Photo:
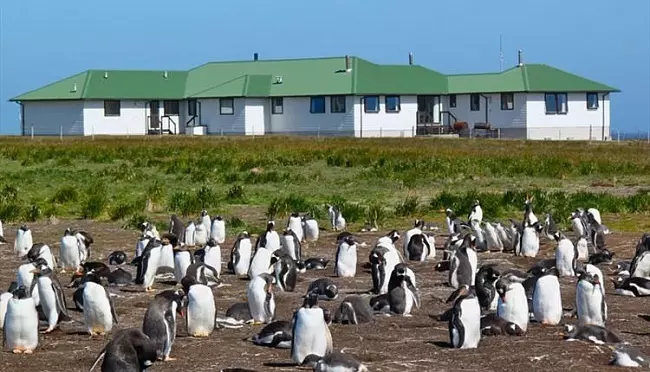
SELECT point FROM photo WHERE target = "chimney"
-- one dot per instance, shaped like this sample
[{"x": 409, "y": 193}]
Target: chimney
[
  {"x": 165, "y": 75},
  {"x": 256, "y": 57},
  {"x": 410, "y": 58},
  {"x": 74, "y": 88},
  {"x": 520, "y": 61},
  {"x": 105, "y": 74},
  {"x": 348, "y": 67}
]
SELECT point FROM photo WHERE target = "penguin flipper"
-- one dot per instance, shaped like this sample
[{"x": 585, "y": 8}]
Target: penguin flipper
[
  {"x": 60, "y": 300},
  {"x": 112, "y": 305}
]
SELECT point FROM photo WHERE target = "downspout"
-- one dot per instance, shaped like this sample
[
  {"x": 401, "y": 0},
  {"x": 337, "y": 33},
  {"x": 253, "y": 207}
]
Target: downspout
[
  {"x": 486, "y": 109},
  {"x": 361, "y": 110},
  {"x": 603, "y": 109},
  {"x": 22, "y": 118}
]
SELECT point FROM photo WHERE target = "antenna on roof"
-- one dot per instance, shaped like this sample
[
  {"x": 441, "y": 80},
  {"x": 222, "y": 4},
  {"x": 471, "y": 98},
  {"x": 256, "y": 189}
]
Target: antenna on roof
[
  {"x": 105, "y": 74},
  {"x": 256, "y": 57},
  {"x": 520, "y": 60},
  {"x": 410, "y": 58},
  {"x": 165, "y": 74},
  {"x": 74, "y": 88},
  {"x": 500, "y": 52},
  {"x": 348, "y": 67}
]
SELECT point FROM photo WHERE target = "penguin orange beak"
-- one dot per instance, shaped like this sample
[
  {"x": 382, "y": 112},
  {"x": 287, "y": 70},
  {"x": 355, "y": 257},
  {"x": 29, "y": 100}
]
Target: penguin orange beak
[
  {"x": 35, "y": 271},
  {"x": 269, "y": 288}
]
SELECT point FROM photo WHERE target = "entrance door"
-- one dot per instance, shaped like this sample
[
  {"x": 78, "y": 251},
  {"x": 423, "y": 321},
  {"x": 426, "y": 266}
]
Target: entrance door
[
  {"x": 154, "y": 115},
  {"x": 428, "y": 114}
]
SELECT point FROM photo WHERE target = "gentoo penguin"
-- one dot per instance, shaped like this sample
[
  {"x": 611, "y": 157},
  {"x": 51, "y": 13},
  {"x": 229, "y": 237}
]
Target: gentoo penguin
[
  {"x": 316, "y": 263},
  {"x": 40, "y": 250},
  {"x": 78, "y": 295},
  {"x": 476, "y": 213},
  {"x": 492, "y": 325},
  {"x": 339, "y": 362},
  {"x": 142, "y": 244},
  {"x": 465, "y": 322},
  {"x": 183, "y": 259},
  {"x": 529, "y": 216},
  {"x": 484, "y": 287},
  {"x": 310, "y": 229},
  {"x": 480, "y": 243},
  {"x": 295, "y": 224},
  {"x": 325, "y": 288},
  {"x": 119, "y": 277},
  {"x": 549, "y": 227},
  {"x": 149, "y": 229},
  {"x": 70, "y": 251},
  {"x": 589, "y": 332},
  {"x": 388, "y": 241},
  {"x": 291, "y": 244},
  {"x": 148, "y": 265},
  {"x": 418, "y": 248},
  {"x": 632, "y": 286},
  {"x": 160, "y": 321},
  {"x": 203, "y": 273},
  {"x": 261, "y": 263},
  {"x": 20, "y": 327},
  {"x": 597, "y": 235},
  {"x": 337, "y": 221},
  {"x": 602, "y": 257},
  {"x": 201, "y": 235},
  {"x": 576, "y": 224},
  {"x": 529, "y": 245},
  {"x": 346, "y": 258},
  {"x": 453, "y": 224},
  {"x": 515, "y": 231},
  {"x": 594, "y": 214},
  {"x": 269, "y": 239},
  {"x": 286, "y": 272},
  {"x": 166, "y": 261},
  {"x": 418, "y": 225},
  {"x": 52, "y": 298},
  {"x": 212, "y": 255},
  {"x": 626, "y": 355},
  {"x": 241, "y": 255},
  {"x": 130, "y": 350},
  {"x": 492, "y": 238},
  {"x": 98, "y": 308},
  {"x": 513, "y": 303},
  {"x": 462, "y": 265},
  {"x": 190, "y": 234},
  {"x": 4, "y": 299},
  {"x": 547, "y": 299},
  {"x": 590, "y": 300},
  {"x": 402, "y": 294},
  {"x": 218, "y": 230},
  {"x": 24, "y": 241},
  {"x": 582, "y": 247},
  {"x": 117, "y": 258},
  {"x": 261, "y": 301},
  {"x": 277, "y": 334},
  {"x": 565, "y": 255},
  {"x": 201, "y": 310},
  {"x": 25, "y": 277},
  {"x": 311, "y": 335},
  {"x": 85, "y": 241},
  {"x": 382, "y": 260},
  {"x": 505, "y": 237},
  {"x": 2, "y": 235},
  {"x": 354, "y": 309},
  {"x": 177, "y": 227},
  {"x": 206, "y": 222}
]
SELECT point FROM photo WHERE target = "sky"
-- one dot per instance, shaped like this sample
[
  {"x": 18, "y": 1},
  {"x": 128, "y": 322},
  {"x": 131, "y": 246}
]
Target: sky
[{"x": 42, "y": 41}]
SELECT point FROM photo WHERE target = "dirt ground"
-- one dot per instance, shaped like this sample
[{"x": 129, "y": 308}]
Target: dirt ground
[{"x": 389, "y": 344}]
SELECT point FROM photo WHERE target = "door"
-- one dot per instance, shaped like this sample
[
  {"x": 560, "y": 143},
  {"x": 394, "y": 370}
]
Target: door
[
  {"x": 429, "y": 114},
  {"x": 154, "y": 114}
]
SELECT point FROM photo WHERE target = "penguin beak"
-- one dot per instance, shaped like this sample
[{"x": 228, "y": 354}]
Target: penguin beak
[{"x": 35, "y": 271}]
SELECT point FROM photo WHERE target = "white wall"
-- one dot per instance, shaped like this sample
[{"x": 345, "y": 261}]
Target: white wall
[
  {"x": 515, "y": 118},
  {"x": 296, "y": 118},
  {"x": 49, "y": 117},
  {"x": 132, "y": 119},
  {"x": 383, "y": 124},
  {"x": 226, "y": 124},
  {"x": 254, "y": 114}
]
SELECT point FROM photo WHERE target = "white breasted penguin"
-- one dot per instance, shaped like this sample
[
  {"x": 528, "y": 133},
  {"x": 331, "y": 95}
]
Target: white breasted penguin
[
  {"x": 4, "y": 300},
  {"x": 492, "y": 325},
  {"x": 261, "y": 300},
  {"x": 141, "y": 244},
  {"x": 453, "y": 224},
  {"x": 402, "y": 293},
  {"x": 626, "y": 355},
  {"x": 98, "y": 308},
  {"x": 212, "y": 255},
  {"x": 277, "y": 334},
  {"x": 166, "y": 262},
  {"x": 480, "y": 243},
  {"x": 201, "y": 234},
  {"x": 632, "y": 286},
  {"x": 547, "y": 298},
  {"x": 550, "y": 228},
  {"x": 590, "y": 300},
  {"x": 269, "y": 239},
  {"x": 589, "y": 332},
  {"x": 160, "y": 321},
  {"x": 176, "y": 227},
  {"x": 325, "y": 288},
  {"x": 40, "y": 250},
  {"x": 204, "y": 274},
  {"x": 261, "y": 263},
  {"x": 582, "y": 248},
  {"x": 485, "y": 287},
  {"x": 529, "y": 216},
  {"x": 25, "y": 277},
  {"x": 465, "y": 322},
  {"x": 206, "y": 222},
  {"x": 24, "y": 241},
  {"x": 130, "y": 350},
  {"x": 418, "y": 225},
  {"x": 529, "y": 245},
  {"x": 346, "y": 258},
  {"x": 241, "y": 255},
  {"x": 117, "y": 258},
  {"x": 285, "y": 271},
  {"x": 291, "y": 244},
  {"x": 2, "y": 235},
  {"x": 20, "y": 327},
  {"x": 382, "y": 260},
  {"x": 311, "y": 335},
  {"x": 337, "y": 221},
  {"x": 52, "y": 298},
  {"x": 148, "y": 265},
  {"x": 354, "y": 309},
  {"x": 476, "y": 213},
  {"x": 183, "y": 259},
  {"x": 388, "y": 241},
  {"x": 565, "y": 255},
  {"x": 149, "y": 229},
  {"x": 339, "y": 362},
  {"x": 310, "y": 229},
  {"x": 218, "y": 230},
  {"x": 418, "y": 247},
  {"x": 463, "y": 264},
  {"x": 492, "y": 237},
  {"x": 201, "y": 309},
  {"x": 505, "y": 237},
  {"x": 513, "y": 303},
  {"x": 576, "y": 224},
  {"x": 70, "y": 252},
  {"x": 85, "y": 242},
  {"x": 190, "y": 234},
  {"x": 516, "y": 230},
  {"x": 295, "y": 225},
  {"x": 316, "y": 263}
]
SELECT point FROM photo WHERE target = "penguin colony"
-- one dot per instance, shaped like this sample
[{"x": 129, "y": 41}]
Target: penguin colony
[{"x": 487, "y": 300}]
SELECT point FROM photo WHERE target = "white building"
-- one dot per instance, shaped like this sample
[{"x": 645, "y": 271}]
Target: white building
[{"x": 342, "y": 96}]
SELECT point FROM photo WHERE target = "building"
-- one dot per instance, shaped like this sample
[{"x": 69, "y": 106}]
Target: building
[{"x": 340, "y": 96}]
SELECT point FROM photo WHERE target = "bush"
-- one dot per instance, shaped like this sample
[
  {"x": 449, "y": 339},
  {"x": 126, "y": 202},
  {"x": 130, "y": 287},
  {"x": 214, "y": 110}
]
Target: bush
[
  {"x": 376, "y": 214},
  {"x": 184, "y": 203},
  {"x": 122, "y": 210},
  {"x": 32, "y": 213},
  {"x": 65, "y": 194},
  {"x": 10, "y": 211},
  {"x": 235, "y": 222},
  {"x": 408, "y": 207},
  {"x": 95, "y": 202},
  {"x": 236, "y": 194}
]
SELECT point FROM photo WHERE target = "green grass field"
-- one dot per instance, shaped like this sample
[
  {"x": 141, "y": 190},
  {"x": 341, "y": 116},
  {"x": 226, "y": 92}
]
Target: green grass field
[{"x": 383, "y": 180}]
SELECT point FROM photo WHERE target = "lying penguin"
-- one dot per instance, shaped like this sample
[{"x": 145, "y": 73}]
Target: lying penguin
[
  {"x": 277, "y": 334},
  {"x": 130, "y": 350},
  {"x": 354, "y": 310},
  {"x": 590, "y": 332}
]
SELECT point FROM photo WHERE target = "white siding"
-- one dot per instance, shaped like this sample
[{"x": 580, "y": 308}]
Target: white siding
[
  {"x": 132, "y": 119},
  {"x": 296, "y": 118},
  {"x": 223, "y": 124},
  {"x": 512, "y": 123},
  {"x": 255, "y": 116},
  {"x": 49, "y": 118},
  {"x": 383, "y": 124}
]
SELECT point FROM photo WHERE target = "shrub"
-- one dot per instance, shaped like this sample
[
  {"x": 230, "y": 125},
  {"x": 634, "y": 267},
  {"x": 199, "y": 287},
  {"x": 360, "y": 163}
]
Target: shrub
[
  {"x": 184, "y": 203},
  {"x": 122, "y": 210},
  {"x": 32, "y": 213},
  {"x": 10, "y": 211},
  {"x": 408, "y": 207},
  {"x": 376, "y": 214},
  {"x": 95, "y": 202},
  {"x": 235, "y": 222},
  {"x": 65, "y": 194},
  {"x": 236, "y": 193}
]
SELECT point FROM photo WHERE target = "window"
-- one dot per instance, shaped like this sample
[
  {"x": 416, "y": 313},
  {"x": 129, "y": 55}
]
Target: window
[
  {"x": 171, "y": 107},
  {"x": 392, "y": 104},
  {"x": 592, "y": 101},
  {"x": 452, "y": 101},
  {"x": 317, "y": 105},
  {"x": 111, "y": 108},
  {"x": 507, "y": 101},
  {"x": 556, "y": 103},
  {"x": 337, "y": 104},
  {"x": 226, "y": 106},
  {"x": 191, "y": 107},
  {"x": 277, "y": 106},
  {"x": 371, "y": 103},
  {"x": 475, "y": 102}
]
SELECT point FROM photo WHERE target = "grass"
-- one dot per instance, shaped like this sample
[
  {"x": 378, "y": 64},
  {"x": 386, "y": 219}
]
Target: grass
[{"x": 372, "y": 181}]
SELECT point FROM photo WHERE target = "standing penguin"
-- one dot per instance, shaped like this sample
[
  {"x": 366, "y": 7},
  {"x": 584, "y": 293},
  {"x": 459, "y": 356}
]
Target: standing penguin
[
  {"x": 310, "y": 229},
  {"x": 550, "y": 228},
  {"x": 218, "y": 230},
  {"x": 261, "y": 263},
  {"x": 40, "y": 250},
  {"x": 291, "y": 244},
  {"x": 418, "y": 225},
  {"x": 295, "y": 225},
  {"x": 590, "y": 300},
  {"x": 286, "y": 273},
  {"x": 402, "y": 294},
  {"x": 4, "y": 300},
  {"x": 463, "y": 263},
  {"x": 51, "y": 296},
  {"x": 382, "y": 260},
  {"x": 130, "y": 350},
  {"x": 20, "y": 327},
  {"x": 582, "y": 248},
  {"x": 465, "y": 322},
  {"x": 201, "y": 310},
  {"x": 337, "y": 221},
  {"x": 166, "y": 261},
  {"x": 70, "y": 254},
  {"x": 212, "y": 255},
  {"x": 418, "y": 248},
  {"x": 206, "y": 222},
  {"x": 547, "y": 299},
  {"x": 576, "y": 224},
  {"x": 24, "y": 241},
  {"x": 25, "y": 277},
  {"x": 190, "y": 234},
  {"x": 529, "y": 245},
  {"x": 492, "y": 238},
  {"x": 183, "y": 259},
  {"x": 160, "y": 321},
  {"x": 176, "y": 227},
  {"x": 201, "y": 235},
  {"x": 311, "y": 335},
  {"x": 98, "y": 308},
  {"x": 261, "y": 301},
  {"x": 513, "y": 303},
  {"x": 85, "y": 241},
  {"x": 148, "y": 265},
  {"x": 476, "y": 213},
  {"x": 346, "y": 258},
  {"x": 453, "y": 224},
  {"x": 2, "y": 234},
  {"x": 484, "y": 287},
  {"x": 565, "y": 255},
  {"x": 269, "y": 239},
  {"x": 241, "y": 254}
]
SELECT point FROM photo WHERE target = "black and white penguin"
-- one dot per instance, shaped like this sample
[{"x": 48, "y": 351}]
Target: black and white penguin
[
  {"x": 119, "y": 277},
  {"x": 261, "y": 300},
  {"x": 2, "y": 235},
  {"x": 550, "y": 228},
  {"x": 576, "y": 224},
  {"x": 218, "y": 230},
  {"x": 201, "y": 234},
  {"x": 325, "y": 288},
  {"x": 476, "y": 213},
  {"x": 85, "y": 242},
  {"x": 547, "y": 299},
  {"x": 402, "y": 294},
  {"x": 212, "y": 255},
  {"x": 269, "y": 239},
  {"x": 515, "y": 231},
  {"x": 513, "y": 302},
  {"x": 382, "y": 262},
  {"x": 130, "y": 350},
  {"x": 465, "y": 322},
  {"x": 190, "y": 234},
  {"x": 626, "y": 355},
  {"x": 419, "y": 248},
  {"x": 149, "y": 229},
  {"x": 418, "y": 225},
  {"x": 160, "y": 321},
  {"x": 24, "y": 241},
  {"x": 236, "y": 316},
  {"x": 346, "y": 258},
  {"x": 286, "y": 272},
  {"x": 316, "y": 263},
  {"x": 52, "y": 298},
  {"x": 141, "y": 244},
  {"x": 354, "y": 309},
  {"x": 25, "y": 277},
  {"x": 98, "y": 308},
  {"x": 99, "y": 268},
  {"x": 78, "y": 295},
  {"x": 590, "y": 300},
  {"x": 590, "y": 332},
  {"x": 206, "y": 221},
  {"x": 505, "y": 236},
  {"x": 310, "y": 229},
  {"x": 177, "y": 227},
  {"x": 201, "y": 310},
  {"x": 484, "y": 286},
  {"x": 604, "y": 256},
  {"x": 183, "y": 259},
  {"x": 261, "y": 263},
  {"x": 291, "y": 244},
  {"x": 463, "y": 264},
  {"x": 311, "y": 335},
  {"x": 148, "y": 265},
  {"x": 493, "y": 325},
  {"x": 565, "y": 255},
  {"x": 41, "y": 250},
  {"x": 529, "y": 245},
  {"x": 337, "y": 221},
  {"x": 632, "y": 286},
  {"x": 597, "y": 234},
  {"x": 166, "y": 263},
  {"x": 494, "y": 243},
  {"x": 582, "y": 248},
  {"x": 20, "y": 326},
  {"x": 70, "y": 251},
  {"x": 277, "y": 334},
  {"x": 204, "y": 274},
  {"x": 4, "y": 300},
  {"x": 339, "y": 362},
  {"x": 117, "y": 258},
  {"x": 453, "y": 224},
  {"x": 295, "y": 224},
  {"x": 241, "y": 255}
]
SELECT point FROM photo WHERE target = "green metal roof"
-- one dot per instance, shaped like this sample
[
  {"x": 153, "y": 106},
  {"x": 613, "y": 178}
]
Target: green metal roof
[{"x": 68, "y": 88}]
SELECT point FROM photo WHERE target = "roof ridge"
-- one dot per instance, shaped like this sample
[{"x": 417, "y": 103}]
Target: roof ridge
[
  {"x": 524, "y": 75},
  {"x": 272, "y": 60},
  {"x": 218, "y": 85},
  {"x": 85, "y": 87}
]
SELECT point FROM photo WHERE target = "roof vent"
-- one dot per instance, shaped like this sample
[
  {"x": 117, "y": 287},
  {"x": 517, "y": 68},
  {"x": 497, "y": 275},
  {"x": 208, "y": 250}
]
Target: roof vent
[
  {"x": 74, "y": 88},
  {"x": 256, "y": 57},
  {"x": 278, "y": 80},
  {"x": 105, "y": 74},
  {"x": 410, "y": 58},
  {"x": 520, "y": 60},
  {"x": 348, "y": 66},
  {"x": 165, "y": 74}
]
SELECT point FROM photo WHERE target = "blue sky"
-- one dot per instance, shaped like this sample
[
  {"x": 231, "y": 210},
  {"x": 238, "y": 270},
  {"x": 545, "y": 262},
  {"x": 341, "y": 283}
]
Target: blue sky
[{"x": 42, "y": 41}]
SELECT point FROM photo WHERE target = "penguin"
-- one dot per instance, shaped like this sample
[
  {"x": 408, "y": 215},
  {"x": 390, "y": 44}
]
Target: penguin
[
  {"x": 310, "y": 229},
  {"x": 513, "y": 302},
  {"x": 565, "y": 255},
  {"x": 589, "y": 332},
  {"x": 277, "y": 334},
  {"x": 504, "y": 236},
  {"x": 40, "y": 250},
  {"x": 119, "y": 277},
  {"x": 295, "y": 224},
  {"x": 290, "y": 242},
  {"x": 582, "y": 247},
  {"x": 626, "y": 355},
  {"x": 142, "y": 244},
  {"x": 337, "y": 221},
  {"x": 25, "y": 277},
  {"x": 286, "y": 273},
  {"x": 453, "y": 224},
  {"x": 261, "y": 263},
  {"x": 547, "y": 299},
  {"x": 236, "y": 315},
  {"x": 339, "y": 362},
  {"x": 576, "y": 224},
  {"x": 325, "y": 288},
  {"x": 382, "y": 260},
  {"x": 316, "y": 263},
  {"x": 206, "y": 222},
  {"x": 218, "y": 230},
  {"x": 418, "y": 225},
  {"x": 70, "y": 251},
  {"x": 516, "y": 230},
  {"x": 465, "y": 322},
  {"x": 52, "y": 298},
  {"x": 492, "y": 325},
  {"x": 201, "y": 235},
  {"x": 190, "y": 234},
  {"x": 402, "y": 294},
  {"x": 623, "y": 267},
  {"x": 159, "y": 322},
  {"x": 633, "y": 286},
  {"x": 529, "y": 244},
  {"x": 550, "y": 228},
  {"x": 166, "y": 262},
  {"x": 2, "y": 235},
  {"x": 117, "y": 258},
  {"x": 602, "y": 257},
  {"x": 24, "y": 241},
  {"x": 98, "y": 308},
  {"x": 418, "y": 248},
  {"x": 529, "y": 216},
  {"x": 310, "y": 333},
  {"x": 484, "y": 287},
  {"x": 590, "y": 300},
  {"x": 4, "y": 300},
  {"x": 241, "y": 255},
  {"x": 594, "y": 270},
  {"x": 594, "y": 214},
  {"x": 354, "y": 309},
  {"x": 183, "y": 258},
  {"x": 130, "y": 350},
  {"x": 20, "y": 326},
  {"x": 201, "y": 309},
  {"x": 149, "y": 229},
  {"x": 346, "y": 258},
  {"x": 77, "y": 296},
  {"x": 462, "y": 265},
  {"x": 481, "y": 244},
  {"x": 98, "y": 268},
  {"x": 85, "y": 241},
  {"x": 177, "y": 227},
  {"x": 261, "y": 301},
  {"x": 492, "y": 238},
  {"x": 388, "y": 241},
  {"x": 148, "y": 265},
  {"x": 597, "y": 235},
  {"x": 203, "y": 273},
  {"x": 212, "y": 255}
]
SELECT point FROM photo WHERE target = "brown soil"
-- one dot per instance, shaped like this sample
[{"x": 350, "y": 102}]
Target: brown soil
[{"x": 393, "y": 343}]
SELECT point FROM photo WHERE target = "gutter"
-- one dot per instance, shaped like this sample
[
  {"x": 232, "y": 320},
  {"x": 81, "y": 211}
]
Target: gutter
[
  {"x": 486, "y": 109},
  {"x": 603, "y": 129},
  {"x": 361, "y": 110},
  {"x": 22, "y": 118}
]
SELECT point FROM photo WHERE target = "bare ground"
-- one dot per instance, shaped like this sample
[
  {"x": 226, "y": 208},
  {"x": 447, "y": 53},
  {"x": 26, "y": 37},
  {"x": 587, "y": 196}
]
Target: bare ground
[{"x": 389, "y": 344}]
